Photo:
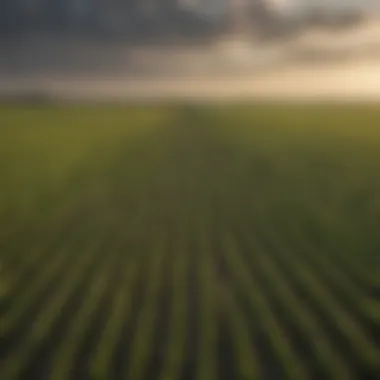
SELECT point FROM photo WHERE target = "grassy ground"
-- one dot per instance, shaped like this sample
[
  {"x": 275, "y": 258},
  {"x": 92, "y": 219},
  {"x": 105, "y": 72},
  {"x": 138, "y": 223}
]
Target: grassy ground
[{"x": 190, "y": 243}]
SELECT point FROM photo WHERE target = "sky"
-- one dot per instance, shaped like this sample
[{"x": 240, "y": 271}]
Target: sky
[
  {"x": 76, "y": 66},
  {"x": 330, "y": 4},
  {"x": 326, "y": 3},
  {"x": 290, "y": 7},
  {"x": 295, "y": 6}
]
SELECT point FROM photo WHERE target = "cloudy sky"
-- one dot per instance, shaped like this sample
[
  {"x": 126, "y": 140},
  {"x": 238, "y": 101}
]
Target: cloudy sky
[
  {"x": 332, "y": 4},
  {"x": 326, "y": 3},
  {"x": 289, "y": 6}
]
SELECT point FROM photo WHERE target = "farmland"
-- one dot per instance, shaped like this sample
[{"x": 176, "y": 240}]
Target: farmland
[{"x": 189, "y": 242}]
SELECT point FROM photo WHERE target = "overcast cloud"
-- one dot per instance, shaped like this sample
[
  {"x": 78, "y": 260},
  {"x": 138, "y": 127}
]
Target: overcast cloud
[{"x": 286, "y": 7}]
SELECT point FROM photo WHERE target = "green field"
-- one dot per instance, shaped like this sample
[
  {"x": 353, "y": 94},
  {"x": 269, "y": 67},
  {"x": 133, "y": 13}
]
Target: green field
[{"x": 190, "y": 243}]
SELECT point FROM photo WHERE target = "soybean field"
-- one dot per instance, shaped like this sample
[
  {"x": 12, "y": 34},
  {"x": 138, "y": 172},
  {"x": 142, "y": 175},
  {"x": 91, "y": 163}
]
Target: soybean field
[{"x": 190, "y": 242}]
